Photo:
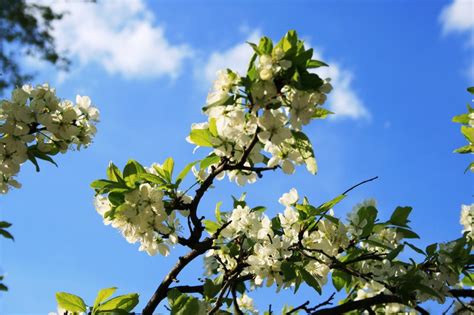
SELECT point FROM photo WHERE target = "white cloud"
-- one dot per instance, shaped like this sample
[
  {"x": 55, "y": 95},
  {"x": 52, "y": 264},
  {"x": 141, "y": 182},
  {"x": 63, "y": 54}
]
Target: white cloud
[
  {"x": 458, "y": 16},
  {"x": 343, "y": 100},
  {"x": 235, "y": 58},
  {"x": 120, "y": 36}
]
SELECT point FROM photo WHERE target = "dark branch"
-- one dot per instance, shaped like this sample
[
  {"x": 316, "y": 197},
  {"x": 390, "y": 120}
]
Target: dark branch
[
  {"x": 361, "y": 183},
  {"x": 383, "y": 299},
  {"x": 162, "y": 290},
  {"x": 189, "y": 289}
]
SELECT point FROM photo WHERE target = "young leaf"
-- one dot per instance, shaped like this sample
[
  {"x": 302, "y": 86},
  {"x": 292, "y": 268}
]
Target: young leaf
[
  {"x": 210, "y": 226},
  {"x": 468, "y": 132},
  {"x": 211, "y": 289},
  {"x": 168, "y": 167},
  {"x": 185, "y": 171},
  {"x": 217, "y": 212},
  {"x": 310, "y": 280},
  {"x": 6, "y": 234},
  {"x": 201, "y": 137},
  {"x": 265, "y": 46},
  {"x": 340, "y": 279},
  {"x": 400, "y": 216},
  {"x": 70, "y": 302},
  {"x": 315, "y": 64},
  {"x": 113, "y": 173},
  {"x": 209, "y": 160},
  {"x": 103, "y": 295},
  {"x": 304, "y": 147},
  {"x": 125, "y": 302}
]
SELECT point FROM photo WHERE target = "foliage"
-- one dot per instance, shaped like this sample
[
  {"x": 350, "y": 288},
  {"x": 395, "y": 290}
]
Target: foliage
[
  {"x": 467, "y": 129},
  {"x": 255, "y": 124},
  {"x": 26, "y": 29},
  {"x": 103, "y": 304}
]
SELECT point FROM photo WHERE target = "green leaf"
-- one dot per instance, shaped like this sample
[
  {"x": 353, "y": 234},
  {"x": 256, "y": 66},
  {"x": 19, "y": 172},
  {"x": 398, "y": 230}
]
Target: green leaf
[
  {"x": 315, "y": 64},
  {"x": 209, "y": 160},
  {"x": 425, "y": 289},
  {"x": 33, "y": 159},
  {"x": 217, "y": 212},
  {"x": 252, "y": 73},
  {"x": 321, "y": 113},
  {"x": 255, "y": 48},
  {"x": 290, "y": 42},
  {"x": 103, "y": 186},
  {"x": 468, "y": 132},
  {"x": 3, "y": 287},
  {"x": 340, "y": 279},
  {"x": 470, "y": 167},
  {"x": 465, "y": 149},
  {"x": 103, "y": 295},
  {"x": 44, "y": 156},
  {"x": 211, "y": 289},
  {"x": 4, "y": 224},
  {"x": 152, "y": 178},
  {"x": 400, "y": 216},
  {"x": 310, "y": 280},
  {"x": 394, "y": 253},
  {"x": 132, "y": 172},
  {"x": 213, "y": 127},
  {"x": 125, "y": 302},
  {"x": 183, "y": 304},
  {"x": 185, "y": 171},
  {"x": 210, "y": 226},
  {"x": 416, "y": 249},
  {"x": 265, "y": 46},
  {"x": 70, "y": 302},
  {"x": 113, "y": 173},
  {"x": 6, "y": 234},
  {"x": 369, "y": 214},
  {"x": 168, "y": 167},
  {"x": 468, "y": 280},
  {"x": 303, "y": 58},
  {"x": 228, "y": 100},
  {"x": 304, "y": 147},
  {"x": 407, "y": 233},
  {"x": 462, "y": 119},
  {"x": 471, "y": 89},
  {"x": 288, "y": 270},
  {"x": 431, "y": 249},
  {"x": 201, "y": 137},
  {"x": 330, "y": 204}
]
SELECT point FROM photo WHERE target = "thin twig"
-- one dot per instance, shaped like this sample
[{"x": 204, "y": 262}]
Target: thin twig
[{"x": 361, "y": 183}]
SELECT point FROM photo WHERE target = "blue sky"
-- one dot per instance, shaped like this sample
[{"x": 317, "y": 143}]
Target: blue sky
[{"x": 400, "y": 69}]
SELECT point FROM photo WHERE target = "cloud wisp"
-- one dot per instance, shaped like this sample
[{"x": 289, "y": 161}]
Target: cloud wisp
[{"x": 120, "y": 36}]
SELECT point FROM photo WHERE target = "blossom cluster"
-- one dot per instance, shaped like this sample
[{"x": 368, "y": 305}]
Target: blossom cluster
[
  {"x": 136, "y": 206},
  {"x": 35, "y": 123},
  {"x": 268, "y": 248},
  {"x": 264, "y": 112}
]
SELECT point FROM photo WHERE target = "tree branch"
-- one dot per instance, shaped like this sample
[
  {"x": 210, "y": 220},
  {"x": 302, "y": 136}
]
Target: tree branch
[
  {"x": 383, "y": 299},
  {"x": 162, "y": 290},
  {"x": 361, "y": 183},
  {"x": 189, "y": 289}
]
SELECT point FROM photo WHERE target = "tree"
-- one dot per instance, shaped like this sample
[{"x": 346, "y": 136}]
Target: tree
[
  {"x": 25, "y": 29},
  {"x": 255, "y": 125}
]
